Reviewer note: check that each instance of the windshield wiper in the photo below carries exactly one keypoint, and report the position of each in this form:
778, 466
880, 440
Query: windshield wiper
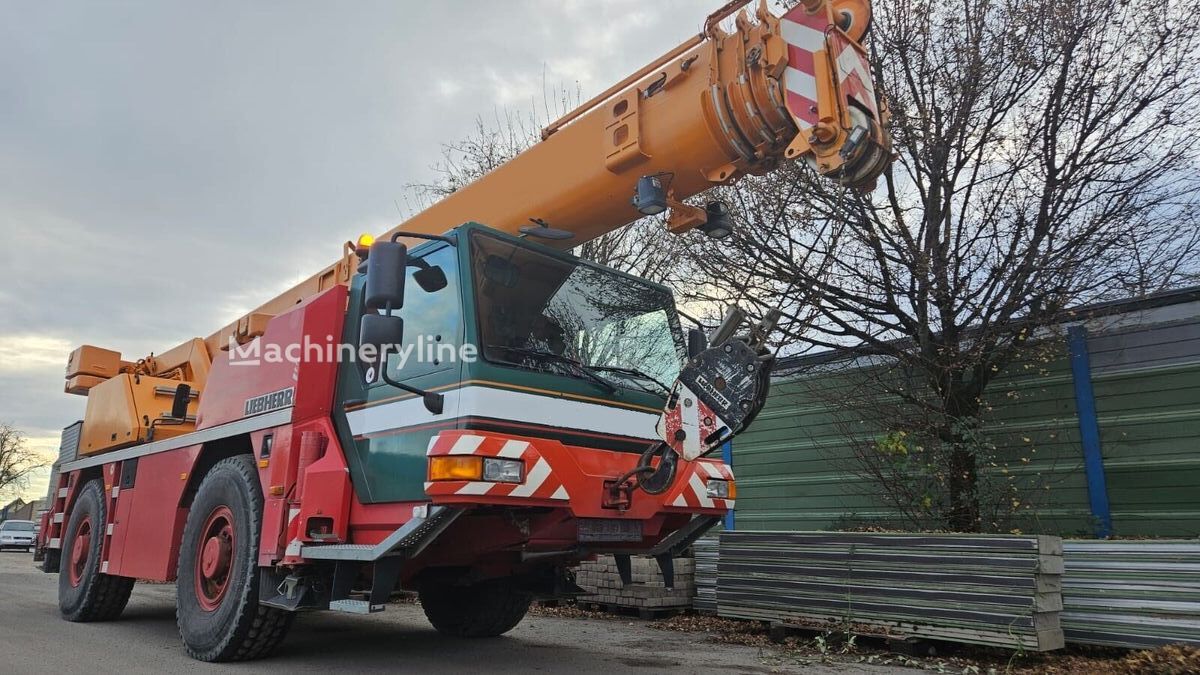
636, 373
587, 371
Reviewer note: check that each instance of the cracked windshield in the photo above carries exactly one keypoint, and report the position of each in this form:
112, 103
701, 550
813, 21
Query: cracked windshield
556, 315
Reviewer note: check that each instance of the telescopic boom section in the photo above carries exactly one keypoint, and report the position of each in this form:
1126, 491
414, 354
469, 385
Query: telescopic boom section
721, 105
718, 107
729, 102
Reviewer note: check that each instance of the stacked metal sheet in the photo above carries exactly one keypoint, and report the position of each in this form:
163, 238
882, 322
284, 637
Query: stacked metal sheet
704, 552
1131, 593
983, 589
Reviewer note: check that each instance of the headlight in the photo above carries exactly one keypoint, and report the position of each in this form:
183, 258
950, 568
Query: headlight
721, 489
471, 467
503, 470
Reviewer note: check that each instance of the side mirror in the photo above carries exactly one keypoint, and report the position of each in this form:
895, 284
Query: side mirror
179, 405
500, 271
386, 265
430, 278
383, 332
434, 402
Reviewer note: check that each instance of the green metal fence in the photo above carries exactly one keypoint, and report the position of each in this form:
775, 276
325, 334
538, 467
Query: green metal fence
796, 470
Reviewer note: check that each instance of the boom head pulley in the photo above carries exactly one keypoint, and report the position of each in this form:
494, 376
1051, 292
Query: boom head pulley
720, 390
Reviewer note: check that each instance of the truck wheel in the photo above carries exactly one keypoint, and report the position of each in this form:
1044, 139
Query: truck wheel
216, 603
483, 610
84, 593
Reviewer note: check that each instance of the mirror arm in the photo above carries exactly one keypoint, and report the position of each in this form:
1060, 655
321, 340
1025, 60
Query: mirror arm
433, 400
430, 237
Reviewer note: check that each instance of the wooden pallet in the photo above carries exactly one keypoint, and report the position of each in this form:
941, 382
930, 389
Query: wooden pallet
902, 644
645, 613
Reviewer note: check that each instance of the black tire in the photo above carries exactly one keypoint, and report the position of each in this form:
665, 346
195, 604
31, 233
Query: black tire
484, 610
84, 593
218, 613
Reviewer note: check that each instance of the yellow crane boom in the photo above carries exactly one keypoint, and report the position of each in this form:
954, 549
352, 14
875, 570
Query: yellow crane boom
717, 107
726, 103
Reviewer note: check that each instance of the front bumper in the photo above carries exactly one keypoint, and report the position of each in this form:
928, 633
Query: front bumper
571, 477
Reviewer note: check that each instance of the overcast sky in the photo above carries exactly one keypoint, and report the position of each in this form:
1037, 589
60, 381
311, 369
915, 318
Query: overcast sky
167, 166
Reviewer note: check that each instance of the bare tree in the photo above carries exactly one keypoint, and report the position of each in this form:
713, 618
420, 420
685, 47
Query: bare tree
1046, 156
644, 249
17, 461
490, 144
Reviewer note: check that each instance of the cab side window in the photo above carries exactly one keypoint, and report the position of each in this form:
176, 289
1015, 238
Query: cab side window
433, 322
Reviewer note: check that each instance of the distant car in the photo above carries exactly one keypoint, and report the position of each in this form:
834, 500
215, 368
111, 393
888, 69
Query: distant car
17, 534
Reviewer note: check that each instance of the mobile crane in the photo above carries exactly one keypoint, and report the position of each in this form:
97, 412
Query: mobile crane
265, 486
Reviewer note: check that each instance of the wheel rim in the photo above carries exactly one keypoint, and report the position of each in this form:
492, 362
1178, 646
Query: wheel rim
214, 558
81, 548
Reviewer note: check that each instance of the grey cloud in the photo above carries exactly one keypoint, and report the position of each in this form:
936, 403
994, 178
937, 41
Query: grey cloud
164, 165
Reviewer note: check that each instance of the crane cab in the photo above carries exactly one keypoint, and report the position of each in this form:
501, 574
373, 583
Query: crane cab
521, 339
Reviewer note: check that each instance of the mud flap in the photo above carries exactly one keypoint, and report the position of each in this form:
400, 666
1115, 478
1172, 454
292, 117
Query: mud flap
287, 591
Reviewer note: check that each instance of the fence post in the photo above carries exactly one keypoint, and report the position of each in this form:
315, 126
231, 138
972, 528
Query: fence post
1089, 430
727, 456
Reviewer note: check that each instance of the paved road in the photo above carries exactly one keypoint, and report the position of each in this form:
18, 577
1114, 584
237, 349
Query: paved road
33, 639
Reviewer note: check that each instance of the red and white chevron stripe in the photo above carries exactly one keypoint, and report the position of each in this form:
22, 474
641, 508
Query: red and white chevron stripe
540, 481
691, 489
853, 72
805, 35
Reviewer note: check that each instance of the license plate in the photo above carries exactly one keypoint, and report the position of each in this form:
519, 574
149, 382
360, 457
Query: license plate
609, 529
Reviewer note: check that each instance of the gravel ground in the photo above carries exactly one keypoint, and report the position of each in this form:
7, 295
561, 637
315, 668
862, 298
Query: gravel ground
33, 639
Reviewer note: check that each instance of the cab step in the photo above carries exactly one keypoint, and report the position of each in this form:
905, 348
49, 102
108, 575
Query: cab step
355, 607
410, 539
